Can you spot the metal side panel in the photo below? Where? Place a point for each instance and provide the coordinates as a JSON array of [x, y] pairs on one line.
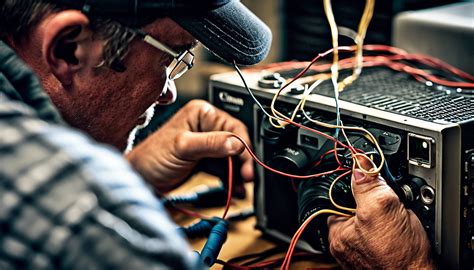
[[451, 190]]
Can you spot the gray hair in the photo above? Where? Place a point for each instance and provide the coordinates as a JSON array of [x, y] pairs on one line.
[[18, 17]]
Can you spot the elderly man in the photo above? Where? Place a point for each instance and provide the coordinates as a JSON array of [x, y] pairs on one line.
[[68, 202]]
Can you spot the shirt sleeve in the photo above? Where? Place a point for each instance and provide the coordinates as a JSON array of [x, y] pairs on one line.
[[67, 202]]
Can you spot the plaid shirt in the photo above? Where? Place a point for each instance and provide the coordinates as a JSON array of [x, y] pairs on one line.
[[67, 202]]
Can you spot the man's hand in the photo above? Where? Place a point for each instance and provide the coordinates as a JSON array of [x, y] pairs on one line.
[[197, 131], [382, 234]]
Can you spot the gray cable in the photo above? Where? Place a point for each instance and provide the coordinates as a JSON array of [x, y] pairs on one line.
[[251, 94]]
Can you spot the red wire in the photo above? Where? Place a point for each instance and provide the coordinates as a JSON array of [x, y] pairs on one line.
[[368, 61], [232, 265], [385, 60], [322, 157], [264, 264], [280, 172], [335, 155], [342, 48], [291, 248], [273, 261], [229, 194], [296, 237], [229, 197], [425, 59]]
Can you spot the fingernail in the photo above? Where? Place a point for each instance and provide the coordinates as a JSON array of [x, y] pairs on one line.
[[331, 219], [359, 176]]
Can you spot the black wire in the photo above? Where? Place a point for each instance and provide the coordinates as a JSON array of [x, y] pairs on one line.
[[250, 91], [258, 256], [264, 256], [242, 215], [275, 263]]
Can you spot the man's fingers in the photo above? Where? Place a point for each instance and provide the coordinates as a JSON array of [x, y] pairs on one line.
[[335, 224], [211, 121], [341, 229], [194, 146], [247, 170], [374, 198], [198, 145], [364, 183], [364, 162]]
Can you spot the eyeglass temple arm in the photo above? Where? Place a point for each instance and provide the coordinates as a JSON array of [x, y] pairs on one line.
[[155, 43]]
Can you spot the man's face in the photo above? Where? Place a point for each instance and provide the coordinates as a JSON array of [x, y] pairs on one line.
[[108, 104]]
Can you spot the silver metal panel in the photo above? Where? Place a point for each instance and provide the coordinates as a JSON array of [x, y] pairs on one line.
[[451, 189], [447, 147]]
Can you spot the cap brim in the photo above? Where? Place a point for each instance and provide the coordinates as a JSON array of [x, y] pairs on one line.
[[231, 31]]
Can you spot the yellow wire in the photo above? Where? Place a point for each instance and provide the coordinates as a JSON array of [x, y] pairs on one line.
[[319, 78], [376, 170], [332, 200], [363, 25], [305, 223], [335, 43], [312, 78], [359, 40], [277, 113], [371, 137], [337, 179]]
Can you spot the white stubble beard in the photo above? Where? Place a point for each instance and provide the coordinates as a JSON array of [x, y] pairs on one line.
[[169, 85]]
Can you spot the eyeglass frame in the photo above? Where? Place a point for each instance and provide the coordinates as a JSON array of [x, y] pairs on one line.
[[182, 62]]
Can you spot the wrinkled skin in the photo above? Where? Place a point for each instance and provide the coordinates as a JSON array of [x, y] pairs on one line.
[[198, 130], [382, 234], [107, 104]]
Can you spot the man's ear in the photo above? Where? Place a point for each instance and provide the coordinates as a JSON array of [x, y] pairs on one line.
[[66, 44]]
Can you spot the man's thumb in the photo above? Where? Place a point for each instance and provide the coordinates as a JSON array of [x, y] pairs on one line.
[[210, 144], [366, 186], [371, 194]]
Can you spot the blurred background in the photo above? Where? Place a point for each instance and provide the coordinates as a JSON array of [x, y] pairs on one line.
[[300, 31]]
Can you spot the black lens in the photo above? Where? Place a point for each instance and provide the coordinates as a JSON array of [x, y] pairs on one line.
[[313, 195]]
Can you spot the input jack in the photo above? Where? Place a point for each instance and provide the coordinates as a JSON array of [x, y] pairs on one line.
[[427, 194]]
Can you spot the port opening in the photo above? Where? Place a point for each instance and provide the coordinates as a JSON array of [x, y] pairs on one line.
[[420, 150], [427, 194]]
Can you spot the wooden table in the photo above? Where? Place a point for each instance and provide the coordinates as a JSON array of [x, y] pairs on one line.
[[243, 238]]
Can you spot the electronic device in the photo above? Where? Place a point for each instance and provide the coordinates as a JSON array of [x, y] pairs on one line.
[[444, 32], [425, 131], [309, 29]]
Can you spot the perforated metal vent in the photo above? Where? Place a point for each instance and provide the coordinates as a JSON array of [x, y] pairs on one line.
[[399, 93]]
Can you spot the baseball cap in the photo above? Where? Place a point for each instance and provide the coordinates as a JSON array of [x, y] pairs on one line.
[[226, 27]]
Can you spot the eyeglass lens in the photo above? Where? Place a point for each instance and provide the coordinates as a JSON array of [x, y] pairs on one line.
[[181, 65]]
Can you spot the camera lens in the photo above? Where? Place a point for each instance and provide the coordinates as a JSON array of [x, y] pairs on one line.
[[313, 195], [290, 159]]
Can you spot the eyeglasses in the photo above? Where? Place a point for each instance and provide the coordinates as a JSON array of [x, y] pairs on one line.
[[182, 61]]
